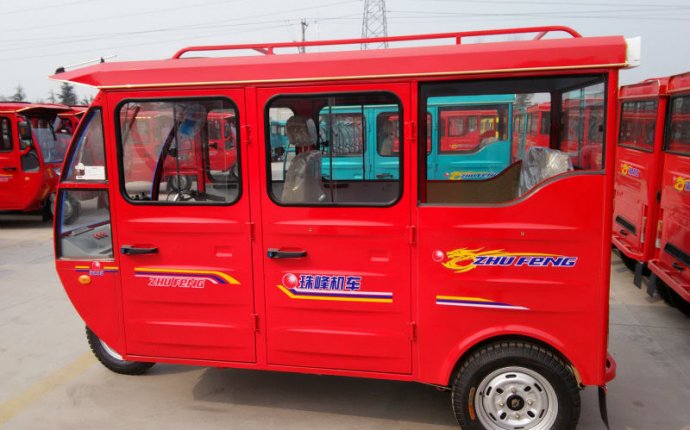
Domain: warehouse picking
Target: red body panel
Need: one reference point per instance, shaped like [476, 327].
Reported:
[407, 324]
[638, 172]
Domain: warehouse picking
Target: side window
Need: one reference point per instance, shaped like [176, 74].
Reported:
[5, 135]
[330, 154]
[516, 147]
[181, 152]
[84, 224]
[87, 162]
[678, 137]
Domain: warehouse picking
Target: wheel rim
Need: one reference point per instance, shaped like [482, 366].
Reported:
[111, 352]
[516, 397]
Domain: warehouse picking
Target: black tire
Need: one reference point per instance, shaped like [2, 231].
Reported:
[111, 360]
[514, 384]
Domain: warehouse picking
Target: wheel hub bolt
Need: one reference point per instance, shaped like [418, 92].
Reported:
[501, 404]
[529, 402]
[517, 416]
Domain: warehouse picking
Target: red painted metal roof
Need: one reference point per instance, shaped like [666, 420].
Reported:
[647, 88]
[679, 83]
[428, 61]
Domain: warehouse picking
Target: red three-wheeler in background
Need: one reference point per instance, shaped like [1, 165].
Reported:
[671, 261]
[33, 142]
[639, 157]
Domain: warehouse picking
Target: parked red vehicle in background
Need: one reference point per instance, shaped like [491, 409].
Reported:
[638, 171]
[496, 289]
[32, 146]
[671, 262]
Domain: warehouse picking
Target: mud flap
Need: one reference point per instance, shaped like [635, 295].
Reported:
[602, 406]
[637, 280]
[651, 285]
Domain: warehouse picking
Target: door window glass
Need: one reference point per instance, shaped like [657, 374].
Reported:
[87, 163]
[180, 152]
[328, 159]
[84, 225]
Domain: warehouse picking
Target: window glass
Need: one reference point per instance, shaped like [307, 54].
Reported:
[88, 160]
[459, 132]
[388, 134]
[638, 124]
[678, 137]
[53, 144]
[278, 137]
[5, 135]
[182, 151]
[84, 224]
[515, 146]
[583, 120]
[327, 157]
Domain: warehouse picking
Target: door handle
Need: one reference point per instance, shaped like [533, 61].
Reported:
[623, 232]
[278, 253]
[678, 267]
[133, 250]
[9, 169]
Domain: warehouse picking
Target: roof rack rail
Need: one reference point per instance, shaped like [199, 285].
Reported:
[269, 48]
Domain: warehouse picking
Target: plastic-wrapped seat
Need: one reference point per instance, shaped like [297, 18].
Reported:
[540, 164]
[303, 177]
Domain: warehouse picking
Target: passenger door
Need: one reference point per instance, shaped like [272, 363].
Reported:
[183, 230]
[336, 252]
[10, 182]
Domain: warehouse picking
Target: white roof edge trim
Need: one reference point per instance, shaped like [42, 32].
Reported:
[633, 53]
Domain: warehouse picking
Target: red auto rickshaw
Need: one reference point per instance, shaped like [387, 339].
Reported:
[33, 142]
[639, 158]
[671, 262]
[494, 289]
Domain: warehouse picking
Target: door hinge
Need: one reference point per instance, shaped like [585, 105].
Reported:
[251, 230]
[255, 322]
[412, 234]
[413, 331]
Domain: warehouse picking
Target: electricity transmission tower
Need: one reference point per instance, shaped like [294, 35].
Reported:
[374, 22]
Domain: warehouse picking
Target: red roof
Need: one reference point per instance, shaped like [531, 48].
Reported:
[648, 88]
[428, 61]
[679, 83]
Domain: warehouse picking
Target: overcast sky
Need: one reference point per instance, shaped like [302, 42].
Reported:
[37, 36]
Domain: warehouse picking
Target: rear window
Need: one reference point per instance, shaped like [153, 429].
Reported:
[638, 124]
[678, 135]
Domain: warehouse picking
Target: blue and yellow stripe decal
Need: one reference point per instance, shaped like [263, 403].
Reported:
[213, 276]
[475, 302]
[338, 296]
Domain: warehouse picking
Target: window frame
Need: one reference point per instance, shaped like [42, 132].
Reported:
[667, 126]
[648, 149]
[172, 100]
[83, 126]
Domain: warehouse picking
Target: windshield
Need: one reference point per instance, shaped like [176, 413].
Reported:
[52, 136]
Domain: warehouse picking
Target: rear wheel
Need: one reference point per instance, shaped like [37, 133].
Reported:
[515, 385]
[112, 360]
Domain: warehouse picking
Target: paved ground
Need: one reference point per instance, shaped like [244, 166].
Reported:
[49, 379]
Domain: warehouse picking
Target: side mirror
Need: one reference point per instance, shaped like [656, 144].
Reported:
[25, 138]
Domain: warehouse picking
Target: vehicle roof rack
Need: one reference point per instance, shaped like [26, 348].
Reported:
[269, 48]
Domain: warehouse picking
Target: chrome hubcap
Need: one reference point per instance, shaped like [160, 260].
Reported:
[111, 352]
[516, 398]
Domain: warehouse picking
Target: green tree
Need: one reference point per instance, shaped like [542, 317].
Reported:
[52, 98]
[67, 94]
[19, 94]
